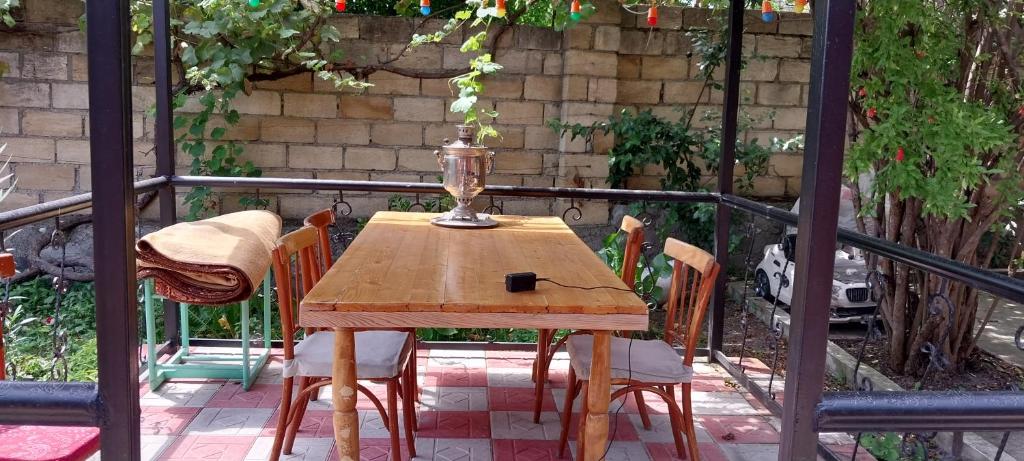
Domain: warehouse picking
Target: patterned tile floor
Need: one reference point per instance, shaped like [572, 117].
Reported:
[476, 405]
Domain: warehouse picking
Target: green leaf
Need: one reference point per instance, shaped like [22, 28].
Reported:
[330, 33]
[197, 149]
[463, 104]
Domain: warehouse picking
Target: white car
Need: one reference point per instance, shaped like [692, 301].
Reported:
[851, 297]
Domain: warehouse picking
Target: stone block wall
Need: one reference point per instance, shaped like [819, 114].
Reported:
[302, 127]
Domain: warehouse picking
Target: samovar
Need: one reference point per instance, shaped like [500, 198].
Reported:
[464, 167]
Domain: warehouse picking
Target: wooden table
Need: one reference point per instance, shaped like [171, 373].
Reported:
[401, 271]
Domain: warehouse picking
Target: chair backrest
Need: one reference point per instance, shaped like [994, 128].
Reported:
[634, 230]
[297, 268]
[694, 272]
[321, 220]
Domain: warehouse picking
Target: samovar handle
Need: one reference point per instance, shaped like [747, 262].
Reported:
[440, 157]
[490, 162]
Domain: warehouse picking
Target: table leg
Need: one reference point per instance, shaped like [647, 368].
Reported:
[597, 398]
[346, 420]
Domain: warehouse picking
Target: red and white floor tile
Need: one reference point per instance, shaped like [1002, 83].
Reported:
[475, 405]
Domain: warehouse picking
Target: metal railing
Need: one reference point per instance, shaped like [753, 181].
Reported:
[843, 411]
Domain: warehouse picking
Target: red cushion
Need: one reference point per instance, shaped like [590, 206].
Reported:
[48, 443]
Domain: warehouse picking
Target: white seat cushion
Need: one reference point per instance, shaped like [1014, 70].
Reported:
[653, 361]
[378, 355]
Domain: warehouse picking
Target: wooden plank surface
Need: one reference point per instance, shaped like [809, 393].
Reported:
[400, 263]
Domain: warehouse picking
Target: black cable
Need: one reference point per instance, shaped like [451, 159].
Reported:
[615, 416]
[584, 288]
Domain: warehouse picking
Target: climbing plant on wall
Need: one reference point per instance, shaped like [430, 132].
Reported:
[685, 151]
[222, 48]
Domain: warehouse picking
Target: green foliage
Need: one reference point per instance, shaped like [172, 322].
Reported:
[221, 44]
[29, 335]
[688, 156]
[29, 327]
[884, 446]
[401, 203]
[4, 175]
[554, 15]
[889, 446]
[613, 251]
[83, 364]
[643, 139]
[905, 62]
[469, 85]
[5, 13]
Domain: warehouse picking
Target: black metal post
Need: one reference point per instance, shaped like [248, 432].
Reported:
[165, 142]
[723, 214]
[110, 143]
[831, 54]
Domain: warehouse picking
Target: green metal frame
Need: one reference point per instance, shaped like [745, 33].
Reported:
[185, 364]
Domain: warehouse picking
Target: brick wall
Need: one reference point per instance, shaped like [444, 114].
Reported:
[302, 127]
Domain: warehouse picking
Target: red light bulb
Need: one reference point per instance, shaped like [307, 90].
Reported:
[652, 16]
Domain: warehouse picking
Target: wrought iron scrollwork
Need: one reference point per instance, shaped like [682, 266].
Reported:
[59, 362]
[774, 340]
[495, 209]
[939, 304]
[417, 205]
[744, 311]
[577, 212]
[647, 293]
[876, 282]
[340, 207]
[644, 216]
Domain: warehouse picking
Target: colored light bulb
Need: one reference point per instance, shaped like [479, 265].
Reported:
[500, 5]
[254, 3]
[425, 7]
[800, 6]
[574, 10]
[652, 16]
[340, 5]
[767, 12]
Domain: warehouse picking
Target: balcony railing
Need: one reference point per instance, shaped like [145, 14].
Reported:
[918, 411]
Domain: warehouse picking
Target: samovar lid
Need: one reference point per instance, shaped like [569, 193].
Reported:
[463, 145]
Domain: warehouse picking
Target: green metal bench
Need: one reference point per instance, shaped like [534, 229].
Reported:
[186, 364]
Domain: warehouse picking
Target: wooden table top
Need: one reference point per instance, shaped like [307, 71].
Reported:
[400, 263]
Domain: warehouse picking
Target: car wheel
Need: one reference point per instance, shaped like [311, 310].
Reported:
[762, 285]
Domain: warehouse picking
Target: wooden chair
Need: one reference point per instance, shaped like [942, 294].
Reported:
[634, 230]
[382, 356]
[321, 221]
[654, 365]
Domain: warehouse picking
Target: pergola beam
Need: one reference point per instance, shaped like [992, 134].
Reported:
[726, 163]
[831, 55]
[165, 140]
[111, 146]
